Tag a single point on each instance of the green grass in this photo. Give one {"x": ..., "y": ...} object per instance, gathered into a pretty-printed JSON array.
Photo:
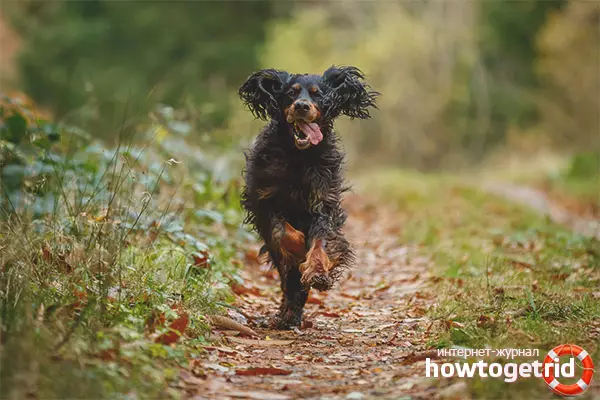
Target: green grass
[
  {"x": 505, "y": 276},
  {"x": 98, "y": 245}
]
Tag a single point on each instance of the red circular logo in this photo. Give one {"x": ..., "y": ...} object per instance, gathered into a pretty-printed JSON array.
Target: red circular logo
[{"x": 549, "y": 364}]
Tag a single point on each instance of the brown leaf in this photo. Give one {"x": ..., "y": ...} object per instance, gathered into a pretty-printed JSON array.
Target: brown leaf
[
  {"x": 176, "y": 328},
  {"x": 306, "y": 324},
  {"x": 485, "y": 321},
  {"x": 520, "y": 262},
  {"x": 382, "y": 288},
  {"x": 227, "y": 323},
  {"x": 201, "y": 259},
  {"x": 420, "y": 356},
  {"x": 314, "y": 300},
  {"x": 329, "y": 314},
  {"x": 81, "y": 301},
  {"x": 258, "y": 395},
  {"x": 454, "y": 324},
  {"x": 349, "y": 296},
  {"x": 262, "y": 343},
  {"x": 243, "y": 289},
  {"x": 225, "y": 350},
  {"x": 46, "y": 255},
  {"x": 262, "y": 371},
  {"x": 559, "y": 277},
  {"x": 108, "y": 354},
  {"x": 251, "y": 256}
]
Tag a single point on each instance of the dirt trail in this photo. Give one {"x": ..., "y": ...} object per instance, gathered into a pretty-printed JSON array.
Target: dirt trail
[
  {"x": 359, "y": 340},
  {"x": 539, "y": 202}
]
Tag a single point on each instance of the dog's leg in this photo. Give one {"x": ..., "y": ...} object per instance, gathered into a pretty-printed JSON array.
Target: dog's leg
[
  {"x": 293, "y": 300},
  {"x": 288, "y": 248},
  {"x": 325, "y": 261},
  {"x": 315, "y": 269},
  {"x": 290, "y": 242}
]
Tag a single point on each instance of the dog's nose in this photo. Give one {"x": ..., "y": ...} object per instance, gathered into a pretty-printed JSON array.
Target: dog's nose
[{"x": 301, "y": 106}]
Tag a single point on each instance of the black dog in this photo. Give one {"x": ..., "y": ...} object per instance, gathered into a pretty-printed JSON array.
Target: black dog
[{"x": 294, "y": 179}]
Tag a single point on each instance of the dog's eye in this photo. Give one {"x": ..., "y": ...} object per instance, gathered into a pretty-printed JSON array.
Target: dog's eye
[{"x": 294, "y": 90}]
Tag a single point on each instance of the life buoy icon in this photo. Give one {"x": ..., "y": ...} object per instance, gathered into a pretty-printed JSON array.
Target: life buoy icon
[{"x": 575, "y": 351}]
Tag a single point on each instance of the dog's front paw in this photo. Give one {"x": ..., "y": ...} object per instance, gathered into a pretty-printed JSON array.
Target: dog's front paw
[
  {"x": 315, "y": 270},
  {"x": 285, "y": 321}
]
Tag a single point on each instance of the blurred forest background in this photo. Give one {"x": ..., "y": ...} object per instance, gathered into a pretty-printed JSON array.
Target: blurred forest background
[{"x": 460, "y": 80}]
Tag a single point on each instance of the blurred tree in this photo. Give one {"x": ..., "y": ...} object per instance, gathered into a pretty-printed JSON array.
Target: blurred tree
[
  {"x": 506, "y": 40},
  {"x": 420, "y": 57},
  {"x": 569, "y": 68},
  {"x": 104, "y": 57},
  {"x": 456, "y": 79}
]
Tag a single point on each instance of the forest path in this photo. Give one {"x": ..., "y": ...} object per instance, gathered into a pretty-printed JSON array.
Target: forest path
[
  {"x": 364, "y": 338},
  {"x": 542, "y": 204}
]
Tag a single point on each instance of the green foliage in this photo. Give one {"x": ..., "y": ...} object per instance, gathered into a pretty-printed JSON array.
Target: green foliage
[
  {"x": 99, "y": 248},
  {"x": 27, "y": 145},
  {"x": 569, "y": 97},
  {"x": 503, "y": 85},
  {"x": 585, "y": 165},
  {"x": 93, "y": 61},
  {"x": 579, "y": 183}
]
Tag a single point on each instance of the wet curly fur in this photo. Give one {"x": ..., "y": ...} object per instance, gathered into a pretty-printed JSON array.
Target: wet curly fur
[{"x": 293, "y": 196}]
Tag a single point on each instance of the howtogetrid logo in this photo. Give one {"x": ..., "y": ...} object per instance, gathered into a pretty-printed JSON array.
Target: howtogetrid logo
[
  {"x": 551, "y": 365},
  {"x": 551, "y": 370}
]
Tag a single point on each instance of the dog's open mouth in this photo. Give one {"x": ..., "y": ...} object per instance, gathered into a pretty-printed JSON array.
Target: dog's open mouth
[{"x": 306, "y": 134}]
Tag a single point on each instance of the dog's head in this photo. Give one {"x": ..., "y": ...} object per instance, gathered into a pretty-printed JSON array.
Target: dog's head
[{"x": 308, "y": 102}]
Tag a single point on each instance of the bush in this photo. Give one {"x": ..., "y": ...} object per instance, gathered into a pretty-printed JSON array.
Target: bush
[{"x": 107, "y": 256}]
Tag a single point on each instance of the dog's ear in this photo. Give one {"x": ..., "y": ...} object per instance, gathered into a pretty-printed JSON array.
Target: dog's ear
[
  {"x": 348, "y": 93},
  {"x": 262, "y": 92}
]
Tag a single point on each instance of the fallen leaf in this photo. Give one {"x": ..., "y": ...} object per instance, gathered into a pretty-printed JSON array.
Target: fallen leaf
[
  {"x": 414, "y": 357},
  {"x": 255, "y": 342},
  {"x": 306, "y": 324},
  {"x": 314, "y": 300},
  {"x": 176, "y": 328},
  {"x": 242, "y": 289},
  {"x": 559, "y": 277},
  {"x": 227, "y": 323},
  {"x": 485, "y": 321},
  {"x": 217, "y": 367},
  {"x": 454, "y": 324},
  {"x": 251, "y": 256},
  {"x": 262, "y": 371},
  {"x": 329, "y": 314},
  {"x": 108, "y": 354},
  {"x": 258, "y": 395},
  {"x": 221, "y": 349},
  {"x": 382, "y": 288},
  {"x": 201, "y": 259}
]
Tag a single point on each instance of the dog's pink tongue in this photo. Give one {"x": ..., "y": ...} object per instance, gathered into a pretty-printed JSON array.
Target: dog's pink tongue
[{"x": 311, "y": 130}]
